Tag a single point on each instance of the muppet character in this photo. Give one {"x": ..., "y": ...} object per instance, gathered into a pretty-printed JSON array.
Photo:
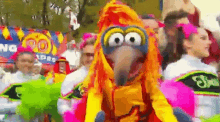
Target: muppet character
[
  {"x": 122, "y": 84},
  {"x": 61, "y": 69}
]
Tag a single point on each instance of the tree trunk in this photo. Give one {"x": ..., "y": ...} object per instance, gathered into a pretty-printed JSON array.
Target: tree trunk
[
  {"x": 6, "y": 17},
  {"x": 2, "y": 23},
  {"x": 44, "y": 13},
  {"x": 81, "y": 12}
]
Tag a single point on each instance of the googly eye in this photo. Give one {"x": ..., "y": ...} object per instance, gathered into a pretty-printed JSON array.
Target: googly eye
[
  {"x": 133, "y": 38},
  {"x": 116, "y": 39}
]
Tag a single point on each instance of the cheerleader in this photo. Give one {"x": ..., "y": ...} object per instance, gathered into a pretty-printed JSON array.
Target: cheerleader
[
  {"x": 24, "y": 60},
  {"x": 74, "y": 79},
  {"x": 193, "y": 45}
]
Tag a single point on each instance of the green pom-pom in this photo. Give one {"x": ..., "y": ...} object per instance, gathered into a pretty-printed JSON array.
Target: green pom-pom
[
  {"x": 215, "y": 118},
  {"x": 39, "y": 98}
]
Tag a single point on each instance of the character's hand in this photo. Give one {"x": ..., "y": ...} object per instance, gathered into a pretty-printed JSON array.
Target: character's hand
[
  {"x": 100, "y": 117},
  {"x": 181, "y": 115}
]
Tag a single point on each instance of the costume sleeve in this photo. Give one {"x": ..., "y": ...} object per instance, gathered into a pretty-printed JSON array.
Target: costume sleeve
[
  {"x": 167, "y": 73},
  {"x": 5, "y": 105},
  {"x": 94, "y": 103},
  {"x": 160, "y": 104},
  {"x": 68, "y": 92},
  {"x": 63, "y": 106}
]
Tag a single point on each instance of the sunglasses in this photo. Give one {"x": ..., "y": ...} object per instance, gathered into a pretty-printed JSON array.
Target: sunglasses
[{"x": 88, "y": 54}]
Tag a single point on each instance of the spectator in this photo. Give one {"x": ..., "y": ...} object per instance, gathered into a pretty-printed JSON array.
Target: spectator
[
  {"x": 191, "y": 49},
  {"x": 24, "y": 61},
  {"x": 75, "y": 78},
  {"x": 60, "y": 71},
  {"x": 194, "y": 18},
  {"x": 37, "y": 69},
  {"x": 193, "y": 44},
  {"x": 151, "y": 22},
  {"x": 167, "y": 38}
]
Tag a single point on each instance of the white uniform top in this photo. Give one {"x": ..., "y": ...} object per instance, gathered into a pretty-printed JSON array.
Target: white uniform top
[
  {"x": 72, "y": 80},
  {"x": 186, "y": 64},
  {"x": 6, "y": 106},
  {"x": 207, "y": 105}
]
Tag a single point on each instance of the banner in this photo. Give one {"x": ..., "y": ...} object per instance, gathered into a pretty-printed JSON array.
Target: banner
[{"x": 47, "y": 45}]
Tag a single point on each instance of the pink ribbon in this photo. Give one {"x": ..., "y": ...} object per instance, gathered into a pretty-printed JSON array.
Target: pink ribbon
[
  {"x": 21, "y": 50},
  {"x": 188, "y": 29},
  {"x": 85, "y": 37}
]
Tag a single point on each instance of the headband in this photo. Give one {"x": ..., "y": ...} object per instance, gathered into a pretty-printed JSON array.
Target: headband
[
  {"x": 85, "y": 37},
  {"x": 22, "y": 50}
]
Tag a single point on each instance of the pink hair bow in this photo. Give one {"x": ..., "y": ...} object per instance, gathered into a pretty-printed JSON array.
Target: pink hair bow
[
  {"x": 188, "y": 29},
  {"x": 21, "y": 49},
  {"x": 85, "y": 37}
]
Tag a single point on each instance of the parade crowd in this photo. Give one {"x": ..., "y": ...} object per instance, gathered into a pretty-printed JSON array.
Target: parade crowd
[{"x": 187, "y": 52}]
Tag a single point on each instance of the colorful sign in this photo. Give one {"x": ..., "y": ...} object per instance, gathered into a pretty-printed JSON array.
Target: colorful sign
[{"x": 48, "y": 45}]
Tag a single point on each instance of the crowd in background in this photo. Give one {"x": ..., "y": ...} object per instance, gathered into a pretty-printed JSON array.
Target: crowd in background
[{"x": 180, "y": 53}]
